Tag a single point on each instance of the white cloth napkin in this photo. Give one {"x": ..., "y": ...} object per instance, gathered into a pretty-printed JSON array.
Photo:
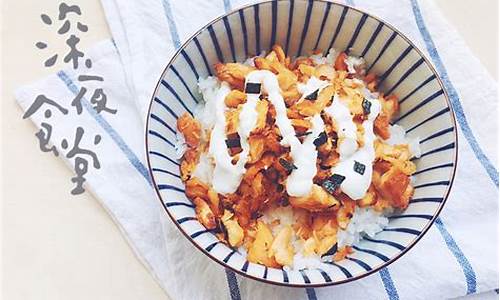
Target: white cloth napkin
[{"x": 458, "y": 256}]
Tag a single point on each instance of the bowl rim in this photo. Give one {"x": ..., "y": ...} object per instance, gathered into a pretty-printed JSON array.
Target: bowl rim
[{"x": 306, "y": 285}]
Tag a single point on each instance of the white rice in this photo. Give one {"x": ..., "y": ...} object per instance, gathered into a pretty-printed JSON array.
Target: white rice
[
  {"x": 301, "y": 262},
  {"x": 319, "y": 59},
  {"x": 251, "y": 60},
  {"x": 398, "y": 137},
  {"x": 365, "y": 221},
  {"x": 331, "y": 56},
  {"x": 284, "y": 214},
  {"x": 208, "y": 87},
  {"x": 354, "y": 62},
  {"x": 286, "y": 217}
]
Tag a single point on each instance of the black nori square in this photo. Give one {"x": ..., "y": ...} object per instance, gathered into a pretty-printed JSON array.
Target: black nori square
[
  {"x": 321, "y": 139},
  {"x": 359, "y": 168},
  {"x": 337, "y": 179},
  {"x": 329, "y": 186},
  {"x": 252, "y": 88},
  {"x": 312, "y": 96},
  {"x": 333, "y": 183},
  {"x": 233, "y": 140},
  {"x": 233, "y": 143},
  {"x": 366, "y": 106},
  {"x": 287, "y": 165}
]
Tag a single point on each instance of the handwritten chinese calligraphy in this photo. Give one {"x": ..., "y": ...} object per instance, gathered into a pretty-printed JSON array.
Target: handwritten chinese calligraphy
[
  {"x": 96, "y": 99},
  {"x": 73, "y": 54},
  {"x": 45, "y": 132},
  {"x": 81, "y": 164}
]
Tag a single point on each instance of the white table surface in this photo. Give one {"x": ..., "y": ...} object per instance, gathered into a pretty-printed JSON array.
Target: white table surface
[{"x": 58, "y": 246}]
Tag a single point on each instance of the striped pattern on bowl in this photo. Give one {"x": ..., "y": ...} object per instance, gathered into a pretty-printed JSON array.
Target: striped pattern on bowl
[{"x": 301, "y": 26}]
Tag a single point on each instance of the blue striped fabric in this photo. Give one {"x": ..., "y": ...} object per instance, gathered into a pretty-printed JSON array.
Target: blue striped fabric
[
  {"x": 469, "y": 273},
  {"x": 455, "y": 99},
  {"x": 311, "y": 294},
  {"x": 391, "y": 290},
  {"x": 133, "y": 159},
  {"x": 171, "y": 23},
  {"x": 232, "y": 282},
  {"x": 227, "y": 5}
]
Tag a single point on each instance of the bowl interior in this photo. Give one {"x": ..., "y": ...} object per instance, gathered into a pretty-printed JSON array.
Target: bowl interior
[{"x": 300, "y": 27}]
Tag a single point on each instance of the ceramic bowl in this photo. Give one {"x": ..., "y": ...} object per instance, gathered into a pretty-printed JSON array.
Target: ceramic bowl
[{"x": 301, "y": 26}]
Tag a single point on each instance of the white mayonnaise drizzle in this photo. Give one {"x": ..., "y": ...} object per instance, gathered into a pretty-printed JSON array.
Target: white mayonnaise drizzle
[
  {"x": 300, "y": 181},
  {"x": 204, "y": 170},
  {"x": 347, "y": 142},
  {"x": 355, "y": 185},
  {"x": 226, "y": 177},
  {"x": 311, "y": 86},
  {"x": 304, "y": 155}
]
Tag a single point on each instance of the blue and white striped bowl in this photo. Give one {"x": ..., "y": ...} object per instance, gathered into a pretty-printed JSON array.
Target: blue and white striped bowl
[{"x": 301, "y": 26}]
